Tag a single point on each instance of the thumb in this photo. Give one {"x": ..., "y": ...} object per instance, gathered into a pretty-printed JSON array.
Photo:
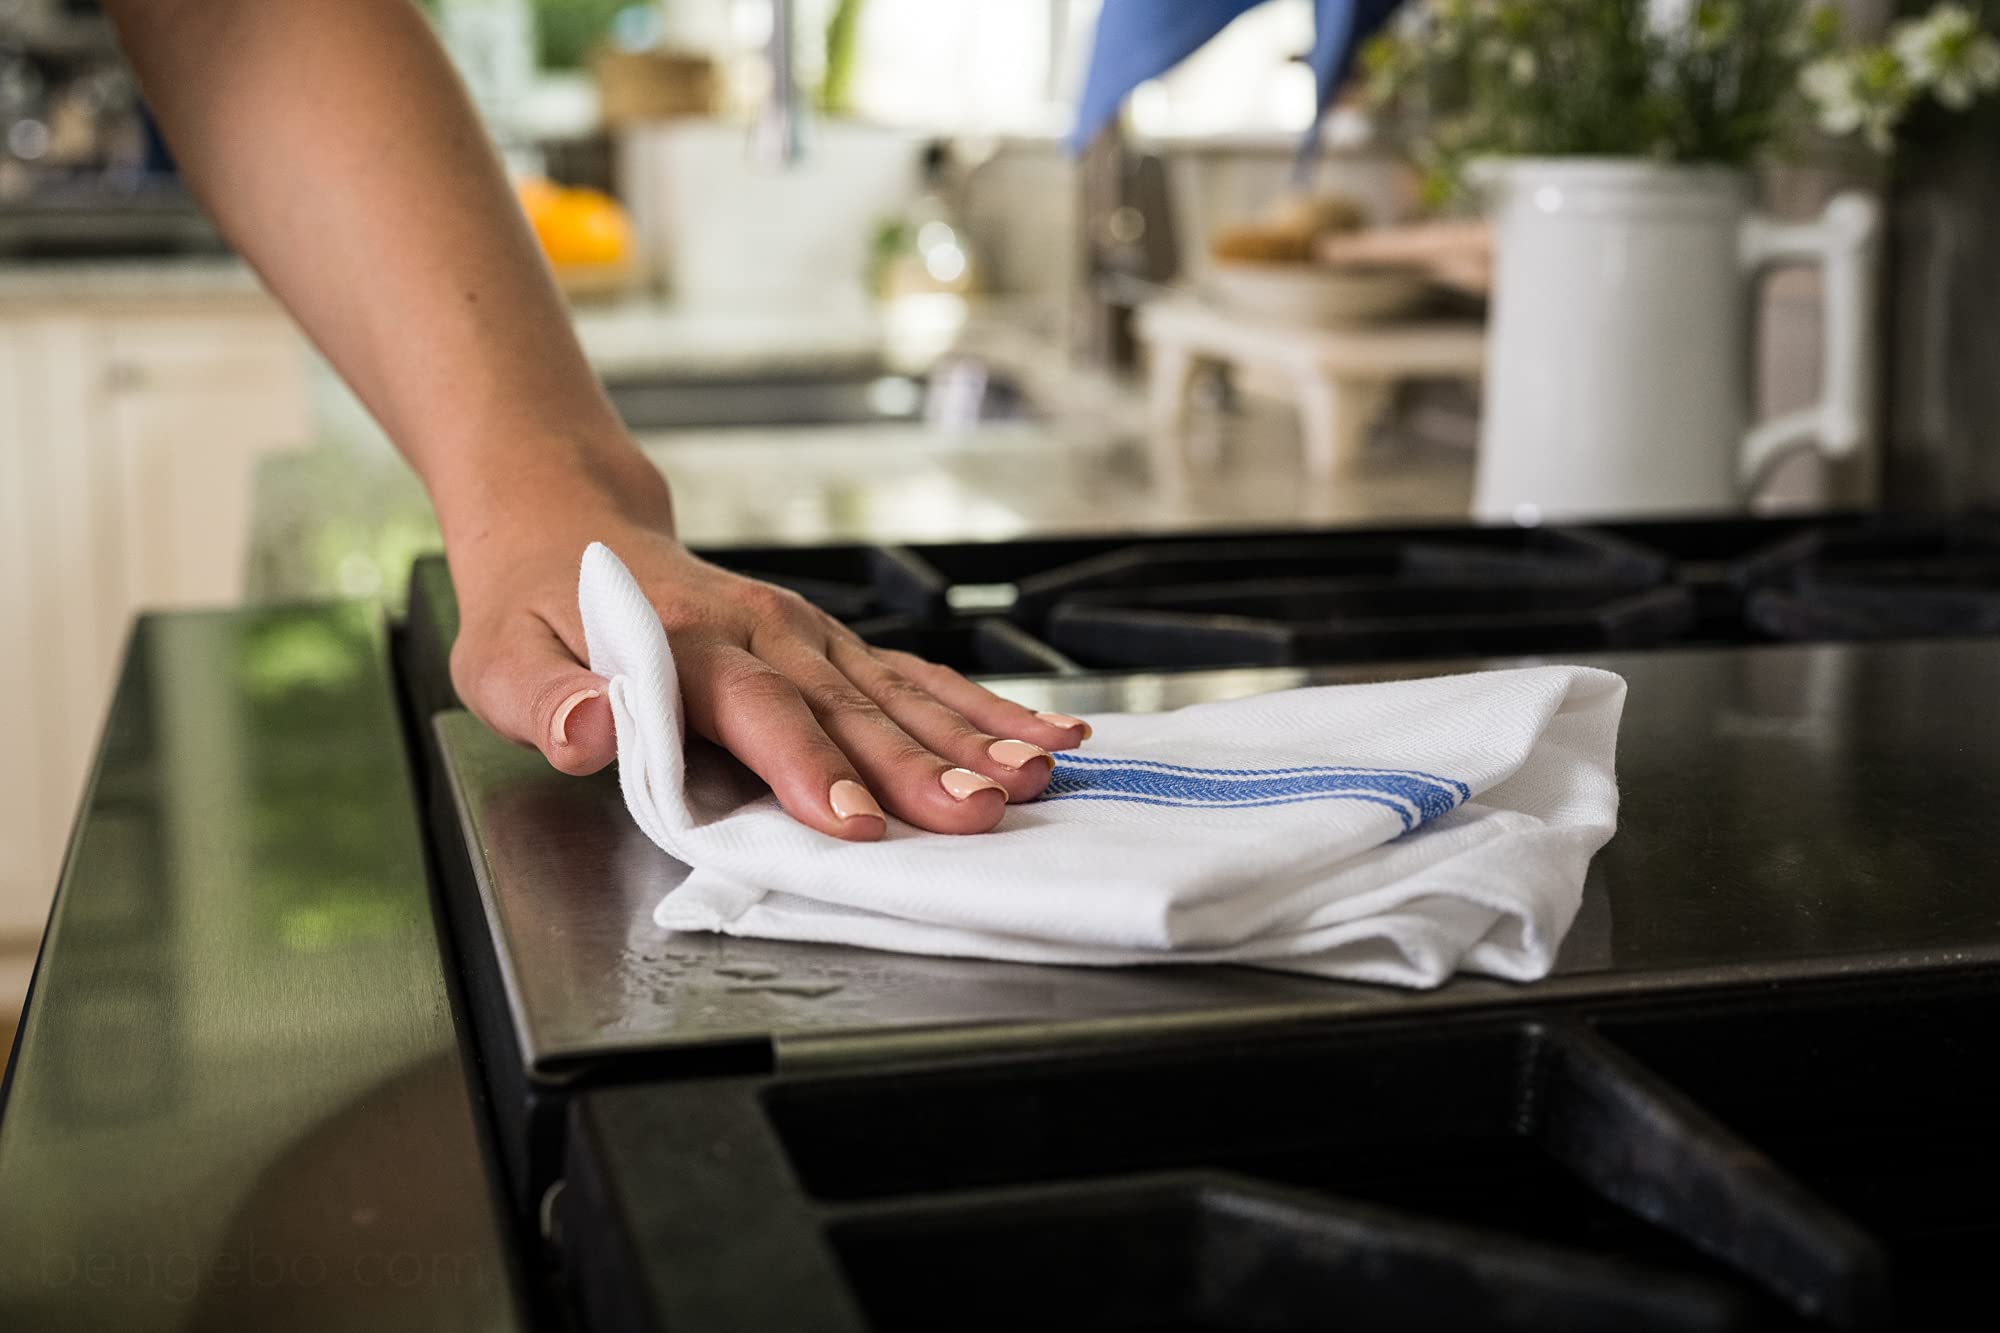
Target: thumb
[{"x": 527, "y": 686}]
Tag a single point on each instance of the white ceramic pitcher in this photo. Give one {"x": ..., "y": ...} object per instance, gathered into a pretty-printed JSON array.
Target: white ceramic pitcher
[{"x": 1619, "y": 356}]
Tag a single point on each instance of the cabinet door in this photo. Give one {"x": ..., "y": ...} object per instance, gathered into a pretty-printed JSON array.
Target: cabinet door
[
  {"x": 62, "y": 607},
  {"x": 127, "y": 448},
  {"x": 194, "y": 403}
]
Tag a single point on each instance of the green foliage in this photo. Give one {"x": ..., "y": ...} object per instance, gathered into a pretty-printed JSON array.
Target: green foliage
[
  {"x": 566, "y": 31},
  {"x": 1727, "y": 82},
  {"x": 836, "y": 92}
]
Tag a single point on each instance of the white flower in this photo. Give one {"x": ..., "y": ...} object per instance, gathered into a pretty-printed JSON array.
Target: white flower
[
  {"x": 1921, "y": 43},
  {"x": 1945, "y": 52},
  {"x": 1833, "y": 90},
  {"x": 1977, "y": 72}
]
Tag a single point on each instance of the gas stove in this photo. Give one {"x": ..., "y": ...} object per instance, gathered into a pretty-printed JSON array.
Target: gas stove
[{"x": 1755, "y": 1093}]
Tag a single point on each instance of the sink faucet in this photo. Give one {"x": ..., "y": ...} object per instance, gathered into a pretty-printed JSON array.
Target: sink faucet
[
  {"x": 778, "y": 139},
  {"x": 1127, "y": 244}
]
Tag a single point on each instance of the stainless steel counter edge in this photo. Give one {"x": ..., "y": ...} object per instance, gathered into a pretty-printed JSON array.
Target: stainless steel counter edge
[
  {"x": 239, "y": 1098},
  {"x": 482, "y": 879},
  {"x": 806, "y": 1051}
]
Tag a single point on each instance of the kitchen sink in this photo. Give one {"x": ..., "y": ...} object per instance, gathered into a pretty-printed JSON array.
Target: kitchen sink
[{"x": 954, "y": 395}]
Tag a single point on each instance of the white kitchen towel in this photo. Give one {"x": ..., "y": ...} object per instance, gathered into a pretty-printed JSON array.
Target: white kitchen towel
[{"x": 1393, "y": 832}]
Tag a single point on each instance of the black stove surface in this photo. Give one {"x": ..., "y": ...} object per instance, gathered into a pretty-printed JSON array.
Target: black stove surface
[
  {"x": 1280, "y": 599},
  {"x": 1799, "y": 1138}
]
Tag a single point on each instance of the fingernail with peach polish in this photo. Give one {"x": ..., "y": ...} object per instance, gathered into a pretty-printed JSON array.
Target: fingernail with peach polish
[
  {"x": 1017, "y": 754},
  {"x": 560, "y": 727},
  {"x": 1066, "y": 722},
  {"x": 963, "y": 783},
  {"x": 850, "y": 800}
]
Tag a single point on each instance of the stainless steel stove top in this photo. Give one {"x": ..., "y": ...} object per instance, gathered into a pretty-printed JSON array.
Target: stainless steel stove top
[{"x": 1789, "y": 812}]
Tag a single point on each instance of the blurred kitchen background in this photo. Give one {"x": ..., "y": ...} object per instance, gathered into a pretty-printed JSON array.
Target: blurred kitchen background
[{"x": 846, "y": 279}]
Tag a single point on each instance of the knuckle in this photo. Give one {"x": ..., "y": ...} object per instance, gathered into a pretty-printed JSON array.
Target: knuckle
[
  {"x": 905, "y": 753},
  {"x": 751, "y": 681},
  {"x": 829, "y": 697},
  {"x": 678, "y": 620},
  {"x": 770, "y": 602},
  {"x": 898, "y": 691},
  {"x": 546, "y": 698}
]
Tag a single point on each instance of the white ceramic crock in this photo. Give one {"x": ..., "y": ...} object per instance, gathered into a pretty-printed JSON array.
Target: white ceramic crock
[{"x": 1619, "y": 357}]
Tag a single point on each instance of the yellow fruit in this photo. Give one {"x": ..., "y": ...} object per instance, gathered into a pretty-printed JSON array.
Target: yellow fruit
[{"x": 579, "y": 227}]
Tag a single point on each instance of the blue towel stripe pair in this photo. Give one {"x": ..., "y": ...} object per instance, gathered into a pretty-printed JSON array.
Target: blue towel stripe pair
[{"x": 1414, "y": 795}]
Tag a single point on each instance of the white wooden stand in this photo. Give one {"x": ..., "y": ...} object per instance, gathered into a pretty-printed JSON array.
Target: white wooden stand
[{"x": 1342, "y": 376}]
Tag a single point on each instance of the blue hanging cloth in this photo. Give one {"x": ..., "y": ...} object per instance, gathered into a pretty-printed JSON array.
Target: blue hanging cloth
[{"x": 1143, "y": 39}]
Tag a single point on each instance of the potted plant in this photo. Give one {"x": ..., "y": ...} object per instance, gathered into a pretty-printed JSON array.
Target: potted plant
[{"x": 1613, "y": 141}]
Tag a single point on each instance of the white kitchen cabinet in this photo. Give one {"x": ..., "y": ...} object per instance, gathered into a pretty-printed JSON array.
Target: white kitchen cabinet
[
  {"x": 129, "y": 432},
  {"x": 192, "y": 403}
]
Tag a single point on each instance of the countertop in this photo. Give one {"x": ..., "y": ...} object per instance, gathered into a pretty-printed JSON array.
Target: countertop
[
  {"x": 340, "y": 523},
  {"x": 126, "y": 282},
  {"x": 347, "y": 517},
  {"x": 637, "y": 334},
  {"x": 239, "y": 1098}
]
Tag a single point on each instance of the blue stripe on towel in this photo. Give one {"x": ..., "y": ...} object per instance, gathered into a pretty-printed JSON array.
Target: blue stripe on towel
[
  {"x": 1415, "y": 796},
  {"x": 1464, "y": 792}
]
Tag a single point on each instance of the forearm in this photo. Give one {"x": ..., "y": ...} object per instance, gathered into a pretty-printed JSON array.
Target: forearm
[
  {"x": 338, "y": 153},
  {"x": 336, "y": 150}
]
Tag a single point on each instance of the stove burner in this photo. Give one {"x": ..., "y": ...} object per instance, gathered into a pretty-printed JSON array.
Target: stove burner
[
  {"x": 1888, "y": 580},
  {"x": 1287, "y": 621},
  {"x": 1529, "y": 557},
  {"x": 847, "y": 582},
  {"x": 1862, "y": 611},
  {"x": 1283, "y": 601}
]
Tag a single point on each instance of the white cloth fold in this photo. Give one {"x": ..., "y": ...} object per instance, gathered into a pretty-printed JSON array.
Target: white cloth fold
[{"x": 1392, "y": 832}]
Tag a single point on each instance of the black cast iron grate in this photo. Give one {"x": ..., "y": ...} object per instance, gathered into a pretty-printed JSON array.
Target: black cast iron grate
[
  {"x": 1892, "y": 579},
  {"x": 1259, "y": 598},
  {"x": 1782, "y": 1165},
  {"x": 1282, "y": 621},
  {"x": 1262, "y": 599}
]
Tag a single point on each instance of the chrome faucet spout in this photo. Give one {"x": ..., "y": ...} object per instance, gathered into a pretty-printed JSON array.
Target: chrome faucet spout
[{"x": 779, "y": 140}]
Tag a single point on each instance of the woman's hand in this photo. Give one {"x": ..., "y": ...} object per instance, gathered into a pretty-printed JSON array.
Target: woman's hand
[
  {"x": 834, "y": 726},
  {"x": 453, "y": 334}
]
